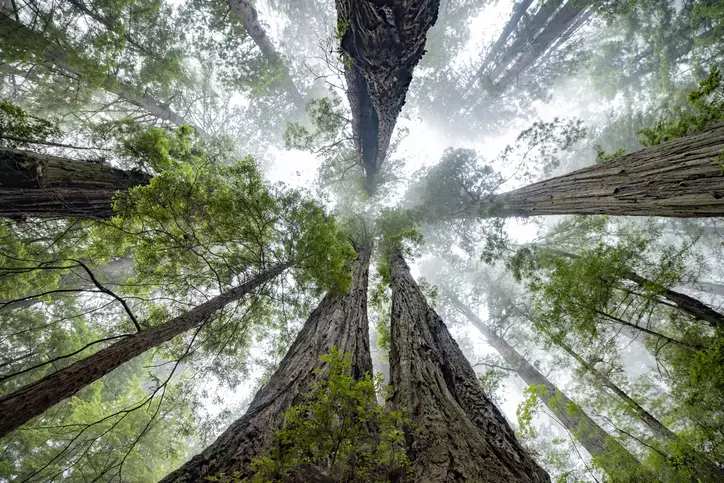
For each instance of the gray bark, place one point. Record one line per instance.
(45, 186)
(680, 178)
(611, 455)
(457, 433)
(385, 41)
(340, 320)
(32, 400)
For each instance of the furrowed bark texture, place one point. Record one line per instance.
(385, 40)
(57, 59)
(586, 431)
(680, 178)
(44, 186)
(250, 21)
(458, 434)
(32, 400)
(340, 320)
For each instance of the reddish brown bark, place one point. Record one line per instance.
(340, 320)
(44, 186)
(457, 433)
(32, 400)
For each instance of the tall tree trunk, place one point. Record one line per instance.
(384, 41)
(711, 287)
(683, 303)
(57, 59)
(680, 178)
(112, 272)
(45, 186)
(250, 21)
(613, 458)
(32, 400)
(340, 320)
(457, 433)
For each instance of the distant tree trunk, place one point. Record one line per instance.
(715, 288)
(456, 429)
(32, 400)
(112, 272)
(54, 58)
(384, 42)
(340, 320)
(680, 178)
(45, 186)
(610, 454)
(250, 21)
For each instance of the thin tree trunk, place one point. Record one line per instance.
(457, 433)
(384, 42)
(340, 320)
(111, 272)
(57, 59)
(250, 21)
(32, 400)
(45, 186)
(680, 178)
(613, 458)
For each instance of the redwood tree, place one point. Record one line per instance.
(339, 321)
(456, 429)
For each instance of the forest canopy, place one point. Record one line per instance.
(355, 241)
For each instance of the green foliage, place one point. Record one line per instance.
(528, 407)
(16, 123)
(706, 109)
(339, 431)
(603, 157)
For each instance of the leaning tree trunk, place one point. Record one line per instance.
(73, 282)
(45, 186)
(339, 321)
(55, 58)
(250, 21)
(710, 287)
(457, 433)
(680, 178)
(382, 43)
(613, 458)
(32, 400)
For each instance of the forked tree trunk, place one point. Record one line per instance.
(45, 186)
(680, 178)
(340, 320)
(32, 400)
(613, 458)
(384, 41)
(457, 433)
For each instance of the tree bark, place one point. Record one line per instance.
(45, 186)
(457, 433)
(32, 400)
(111, 272)
(680, 178)
(250, 21)
(52, 57)
(611, 455)
(340, 320)
(384, 42)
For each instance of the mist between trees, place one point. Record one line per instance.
(359, 241)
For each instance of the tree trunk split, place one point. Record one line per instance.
(456, 429)
(32, 400)
(45, 186)
(340, 320)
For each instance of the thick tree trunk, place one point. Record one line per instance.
(112, 273)
(612, 456)
(44, 186)
(32, 400)
(457, 433)
(340, 320)
(384, 42)
(680, 178)
(250, 21)
(56, 59)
